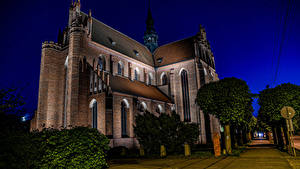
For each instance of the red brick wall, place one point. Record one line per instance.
(51, 88)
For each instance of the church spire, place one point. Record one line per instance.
(150, 35)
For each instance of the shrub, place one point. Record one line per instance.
(167, 130)
(79, 147)
(18, 150)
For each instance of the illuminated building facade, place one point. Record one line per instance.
(98, 77)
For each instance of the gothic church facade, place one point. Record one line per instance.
(98, 77)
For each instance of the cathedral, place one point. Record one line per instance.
(98, 77)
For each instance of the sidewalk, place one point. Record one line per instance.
(259, 155)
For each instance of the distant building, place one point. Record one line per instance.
(96, 76)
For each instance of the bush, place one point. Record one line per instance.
(18, 150)
(79, 147)
(152, 131)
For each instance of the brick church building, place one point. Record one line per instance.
(97, 76)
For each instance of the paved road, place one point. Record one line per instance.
(259, 155)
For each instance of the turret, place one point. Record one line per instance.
(150, 35)
(74, 12)
(202, 32)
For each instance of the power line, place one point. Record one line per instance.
(277, 33)
(283, 35)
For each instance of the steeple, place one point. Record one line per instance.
(150, 35)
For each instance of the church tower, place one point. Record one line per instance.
(150, 35)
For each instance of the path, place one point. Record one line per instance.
(259, 155)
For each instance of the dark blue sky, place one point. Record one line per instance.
(244, 35)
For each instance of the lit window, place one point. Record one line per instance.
(124, 119)
(159, 60)
(112, 42)
(159, 109)
(136, 74)
(94, 113)
(149, 79)
(136, 53)
(120, 68)
(101, 63)
(164, 79)
(205, 72)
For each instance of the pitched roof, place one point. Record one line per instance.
(174, 52)
(136, 88)
(113, 39)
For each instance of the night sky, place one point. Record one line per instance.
(244, 35)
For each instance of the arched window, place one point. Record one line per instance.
(99, 85)
(143, 107)
(150, 79)
(136, 74)
(120, 69)
(93, 106)
(205, 72)
(124, 119)
(95, 82)
(164, 79)
(91, 81)
(101, 63)
(185, 96)
(159, 109)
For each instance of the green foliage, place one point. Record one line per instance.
(272, 100)
(11, 108)
(152, 131)
(18, 150)
(253, 122)
(15, 143)
(229, 99)
(79, 147)
(11, 101)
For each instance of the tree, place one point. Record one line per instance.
(167, 130)
(15, 143)
(11, 108)
(229, 100)
(272, 100)
(147, 132)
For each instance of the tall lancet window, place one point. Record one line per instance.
(95, 82)
(120, 69)
(94, 113)
(164, 79)
(185, 96)
(123, 119)
(150, 79)
(136, 74)
(91, 81)
(66, 93)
